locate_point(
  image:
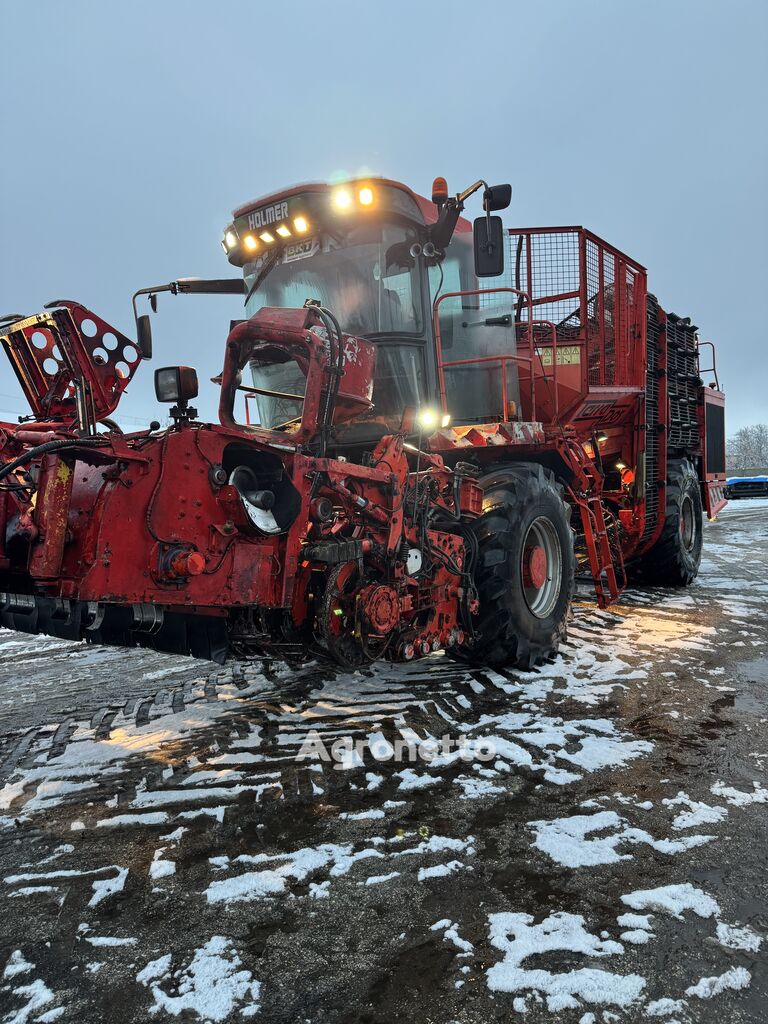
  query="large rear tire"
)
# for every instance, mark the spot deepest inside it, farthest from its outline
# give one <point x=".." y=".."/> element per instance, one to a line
<point x="525" y="569"/>
<point x="674" y="559"/>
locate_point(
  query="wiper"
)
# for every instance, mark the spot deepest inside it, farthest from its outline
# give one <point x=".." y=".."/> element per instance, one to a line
<point x="269" y="264"/>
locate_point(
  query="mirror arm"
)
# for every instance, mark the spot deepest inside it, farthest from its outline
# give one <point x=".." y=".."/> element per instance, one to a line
<point x="204" y="286"/>
<point x="187" y="286"/>
<point x="464" y="196"/>
<point x="195" y="286"/>
<point x="148" y="291"/>
<point x="441" y="232"/>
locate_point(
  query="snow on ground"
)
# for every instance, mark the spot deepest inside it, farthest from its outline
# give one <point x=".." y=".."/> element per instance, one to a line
<point x="522" y="941"/>
<point x="519" y="939"/>
<point x="142" y="782"/>
<point x="738" y="937"/>
<point x="337" y="861"/>
<point x="698" y="813"/>
<point x="673" y="899"/>
<point x="210" y="986"/>
<point x="567" y="840"/>
<point x="102" y="887"/>
<point x="738" y="798"/>
<point x="32" y="993"/>
<point x="706" y="988"/>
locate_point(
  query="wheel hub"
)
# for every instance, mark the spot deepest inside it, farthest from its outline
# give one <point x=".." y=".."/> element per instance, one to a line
<point x="687" y="523"/>
<point x="542" y="567"/>
<point x="535" y="567"/>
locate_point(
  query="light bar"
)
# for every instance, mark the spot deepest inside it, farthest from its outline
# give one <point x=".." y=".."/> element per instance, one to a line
<point x="342" y="198"/>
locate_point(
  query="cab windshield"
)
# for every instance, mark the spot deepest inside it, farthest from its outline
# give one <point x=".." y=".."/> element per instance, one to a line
<point x="367" y="278"/>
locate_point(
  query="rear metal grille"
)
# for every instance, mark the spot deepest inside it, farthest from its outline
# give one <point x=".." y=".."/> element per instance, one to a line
<point x="652" y="419"/>
<point x="683" y="383"/>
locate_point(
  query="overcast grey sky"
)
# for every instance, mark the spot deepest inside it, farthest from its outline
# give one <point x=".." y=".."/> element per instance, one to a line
<point x="131" y="130"/>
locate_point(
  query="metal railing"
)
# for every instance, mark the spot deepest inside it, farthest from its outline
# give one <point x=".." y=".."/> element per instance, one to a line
<point x="709" y="369"/>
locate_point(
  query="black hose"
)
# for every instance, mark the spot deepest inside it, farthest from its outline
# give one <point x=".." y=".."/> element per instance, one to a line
<point x="333" y="329"/>
<point x="339" y="352"/>
<point x="43" y="449"/>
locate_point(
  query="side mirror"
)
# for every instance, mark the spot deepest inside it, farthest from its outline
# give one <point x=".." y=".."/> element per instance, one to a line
<point x="497" y="197"/>
<point x="489" y="246"/>
<point x="144" y="332"/>
<point x="176" y="384"/>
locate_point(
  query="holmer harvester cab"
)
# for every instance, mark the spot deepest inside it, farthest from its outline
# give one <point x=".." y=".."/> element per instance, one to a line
<point x="426" y="428"/>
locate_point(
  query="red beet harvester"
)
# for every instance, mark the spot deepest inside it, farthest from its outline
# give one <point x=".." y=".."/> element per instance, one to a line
<point x="427" y="428"/>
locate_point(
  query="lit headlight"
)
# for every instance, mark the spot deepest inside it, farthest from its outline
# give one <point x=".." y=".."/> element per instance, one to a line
<point x="428" y="420"/>
<point x="342" y="200"/>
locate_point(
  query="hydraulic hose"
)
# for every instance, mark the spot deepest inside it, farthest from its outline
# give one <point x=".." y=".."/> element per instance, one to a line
<point x="44" y="449"/>
<point x="332" y="327"/>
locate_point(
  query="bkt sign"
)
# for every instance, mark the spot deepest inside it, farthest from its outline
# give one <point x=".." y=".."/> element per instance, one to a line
<point x="269" y="215"/>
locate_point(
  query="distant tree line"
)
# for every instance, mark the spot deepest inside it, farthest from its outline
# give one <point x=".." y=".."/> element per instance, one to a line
<point x="748" y="448"/>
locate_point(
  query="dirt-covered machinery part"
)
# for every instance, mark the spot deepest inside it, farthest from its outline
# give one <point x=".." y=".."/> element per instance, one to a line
<point x="344" y="630"/>
<point x="396" y="586"/>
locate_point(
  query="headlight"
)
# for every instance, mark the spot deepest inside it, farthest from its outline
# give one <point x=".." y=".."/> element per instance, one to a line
<point x="428" y="420"/>
<point x="342" y="200"/>
<point x="175" y="384"/>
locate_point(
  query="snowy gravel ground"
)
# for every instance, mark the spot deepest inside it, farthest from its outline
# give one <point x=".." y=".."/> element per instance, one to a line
<point x="596" y="852"/>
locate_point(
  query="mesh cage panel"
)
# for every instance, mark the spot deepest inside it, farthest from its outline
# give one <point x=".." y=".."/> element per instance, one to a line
<point x="590" y="291"/>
